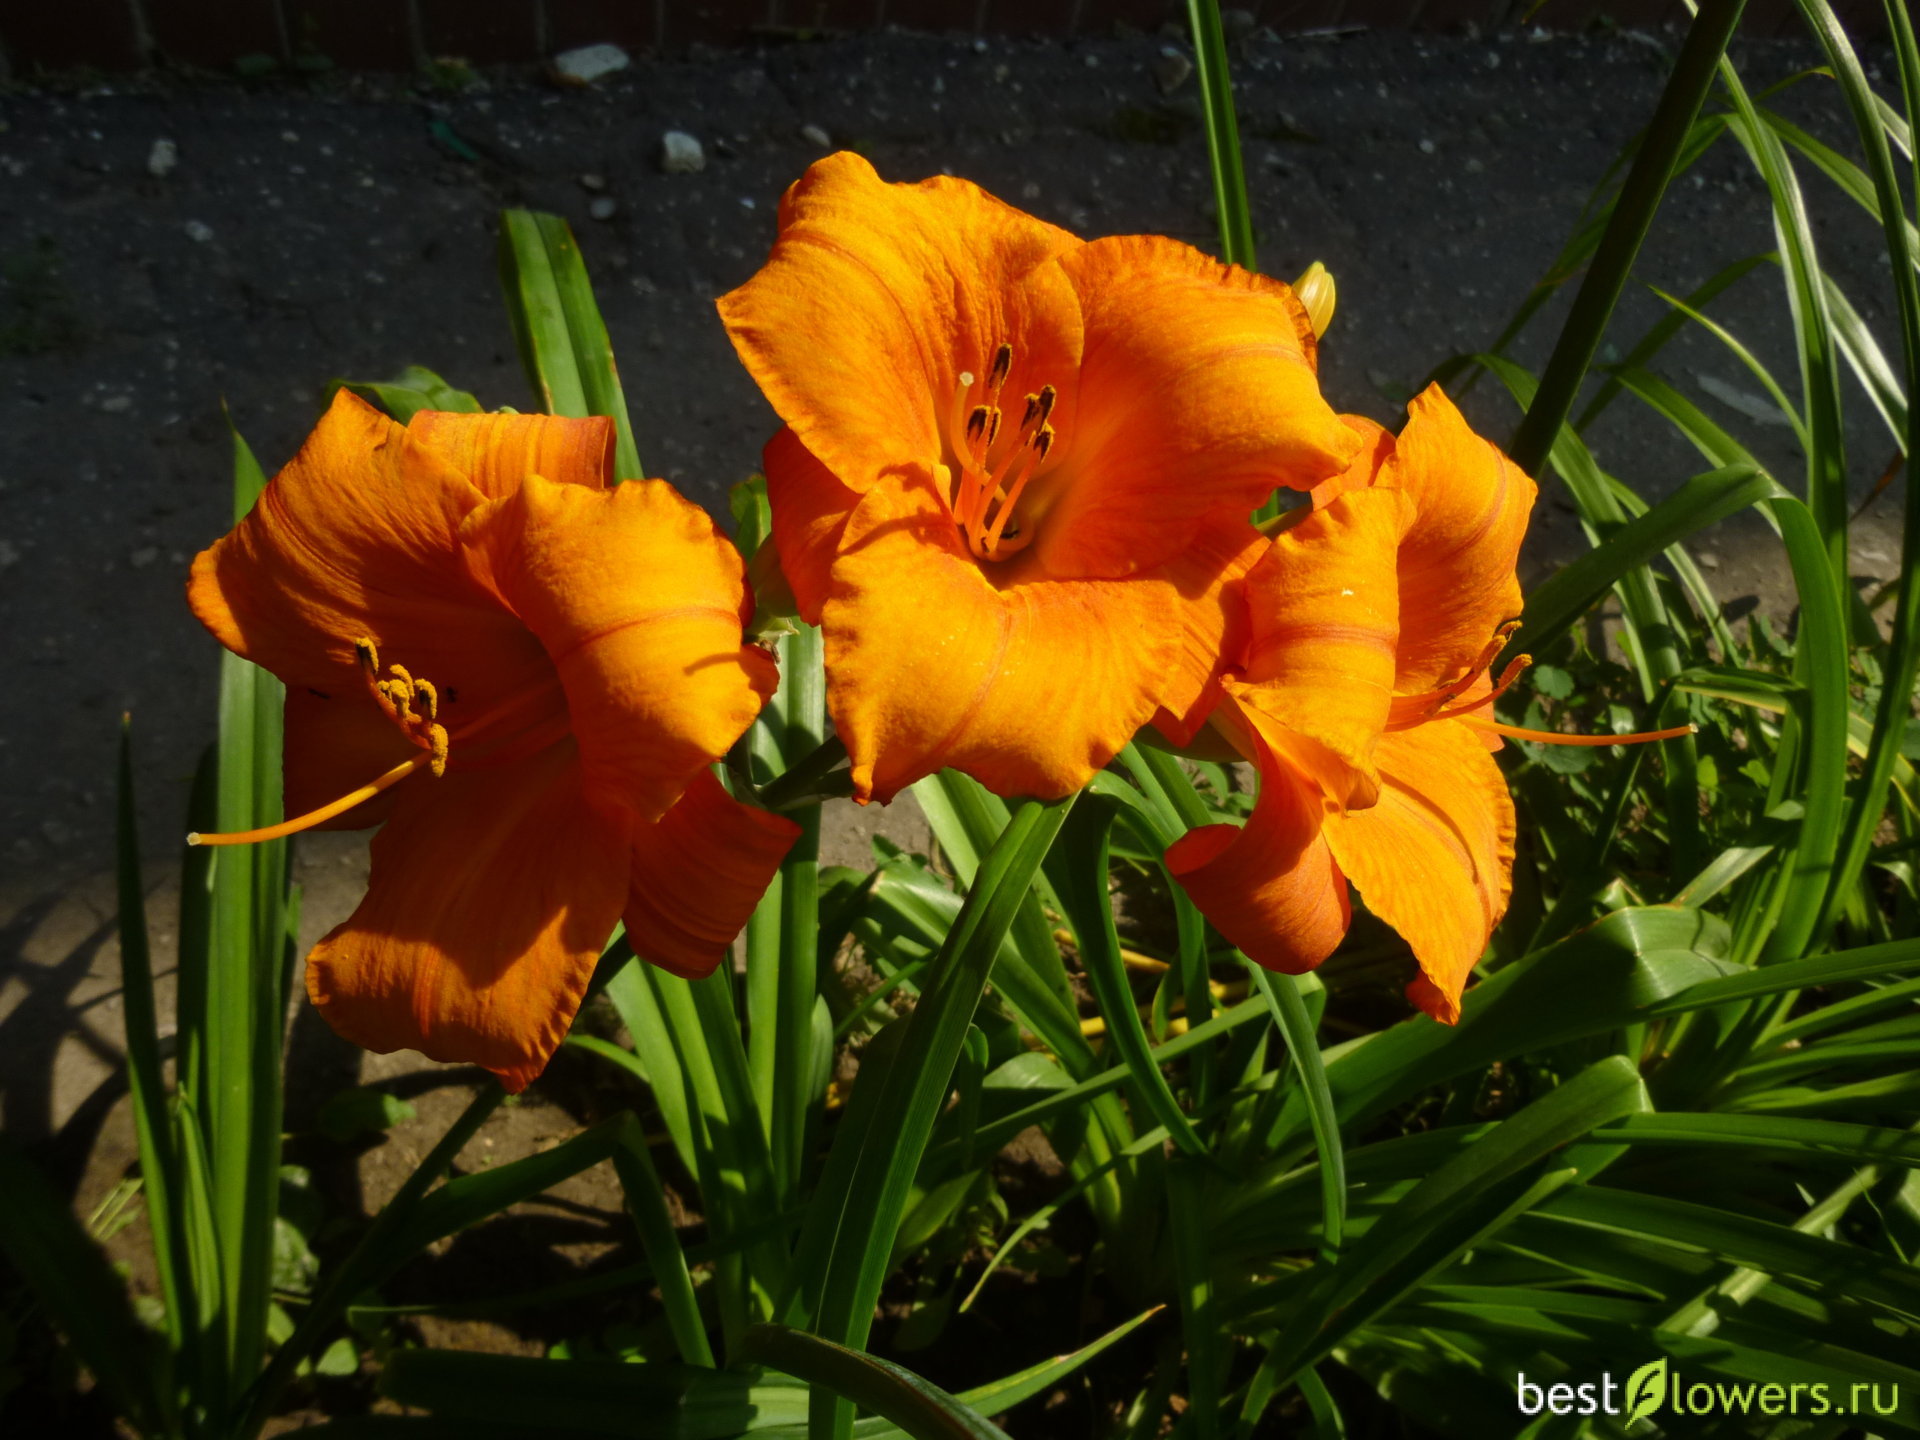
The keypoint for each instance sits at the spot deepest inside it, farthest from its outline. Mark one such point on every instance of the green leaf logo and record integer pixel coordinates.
(1646, 1390)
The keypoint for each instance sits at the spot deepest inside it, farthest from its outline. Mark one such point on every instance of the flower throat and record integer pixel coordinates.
(989, 475)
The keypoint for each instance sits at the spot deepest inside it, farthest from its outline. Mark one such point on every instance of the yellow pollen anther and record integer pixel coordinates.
(437, 747)
(369, 655)
(425, 691)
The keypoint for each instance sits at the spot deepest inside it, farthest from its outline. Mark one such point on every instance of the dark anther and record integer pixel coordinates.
(1002, 363)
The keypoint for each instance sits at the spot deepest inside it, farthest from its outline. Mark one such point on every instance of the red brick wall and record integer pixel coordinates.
(397, 34)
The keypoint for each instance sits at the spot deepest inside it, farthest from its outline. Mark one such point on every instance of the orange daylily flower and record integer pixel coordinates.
(539, 668)
(1364, 701)
(1016, 470)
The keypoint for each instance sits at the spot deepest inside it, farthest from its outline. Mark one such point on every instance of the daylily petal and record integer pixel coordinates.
(1273, 888)
(1028, 684)
(697, 875)
(876, 297)
(1324, 604)
(1195, 396)
(492, 892)
(639, 602)
(1434, 858)
(497, 452)
(810, 510)
(1457, 581)
(1376, 448)
(355, 537)
(1213, 621)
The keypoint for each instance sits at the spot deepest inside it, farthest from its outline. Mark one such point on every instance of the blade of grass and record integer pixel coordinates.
(920, 1408)
(1208, 1348)
(1296, 1027)
(1178, 808)
(153, 1124)
(646, 1201)
(1640, 196)
(71, 1278)
(1558, 602)
(1901, 665)
(378, 1252)
(1812, 323)
(1651, 632)
(865, 1196)
(1603, 1092)
(1080, 862)
(1666, 328)
(245, 1009)
(1821, 666)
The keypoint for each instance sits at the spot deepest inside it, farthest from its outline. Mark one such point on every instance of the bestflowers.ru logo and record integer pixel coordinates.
(1656, 1389)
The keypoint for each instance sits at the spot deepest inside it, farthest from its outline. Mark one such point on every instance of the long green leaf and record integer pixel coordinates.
(655, 1401)
(232, 1074)
(1207, 1345)
(1812, 328)
(1902, 662)
(646, 1200)
(383, 1249)
(1603, 1092)
(557, 326)
(1080, 880)
(153, 1121)
(1296, 1026)
(1821, 665)
(919, 1407)
(863, 1196)
(71, 1278)
(1640, 195)
(1825, 1139)
(1223, 133)
(1558, 602)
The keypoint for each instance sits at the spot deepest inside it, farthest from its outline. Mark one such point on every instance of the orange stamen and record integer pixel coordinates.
(1036, 453)
(325, 812)
(1023, 472)
(1501, 686)
(1408, 711)
(1554, 737)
